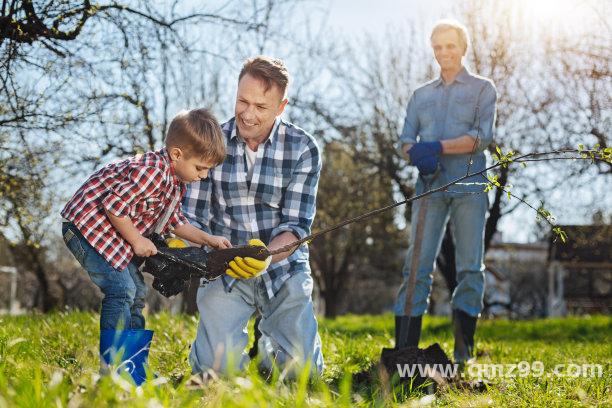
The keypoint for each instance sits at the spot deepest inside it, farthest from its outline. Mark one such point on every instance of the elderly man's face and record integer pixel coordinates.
(448, 49)
(256, 109)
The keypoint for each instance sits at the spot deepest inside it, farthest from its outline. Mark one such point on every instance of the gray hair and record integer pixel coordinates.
(451, 24)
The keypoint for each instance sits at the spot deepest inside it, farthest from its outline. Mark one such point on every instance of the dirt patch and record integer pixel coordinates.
(415, 366)
(412, 368)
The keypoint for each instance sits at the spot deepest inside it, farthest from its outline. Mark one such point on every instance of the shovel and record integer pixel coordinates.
(392, 358)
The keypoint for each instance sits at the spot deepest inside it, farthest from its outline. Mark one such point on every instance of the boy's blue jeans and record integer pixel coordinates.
(124, 291)
(467, 214)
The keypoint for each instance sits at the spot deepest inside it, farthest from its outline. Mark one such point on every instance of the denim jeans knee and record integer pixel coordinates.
(137, 320)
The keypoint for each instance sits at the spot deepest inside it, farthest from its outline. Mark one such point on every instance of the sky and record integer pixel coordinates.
(358, 16)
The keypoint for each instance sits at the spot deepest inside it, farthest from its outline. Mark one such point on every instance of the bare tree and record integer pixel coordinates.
(82, 83)
(24, 204)
(367, 251)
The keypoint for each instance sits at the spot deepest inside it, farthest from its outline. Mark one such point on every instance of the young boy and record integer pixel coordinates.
(106, 222)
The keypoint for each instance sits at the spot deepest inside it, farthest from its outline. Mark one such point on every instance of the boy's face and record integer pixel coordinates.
(256, 109)
(189, 169)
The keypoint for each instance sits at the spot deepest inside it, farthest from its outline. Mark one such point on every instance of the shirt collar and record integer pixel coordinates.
(277, 122)
(462, 76)
(166, 157)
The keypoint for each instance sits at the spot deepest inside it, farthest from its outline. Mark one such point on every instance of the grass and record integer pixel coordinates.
(52, 360)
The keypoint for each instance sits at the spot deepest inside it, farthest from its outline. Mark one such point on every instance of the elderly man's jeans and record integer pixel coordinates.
(124, 291)
(288, 326)
(467, 214)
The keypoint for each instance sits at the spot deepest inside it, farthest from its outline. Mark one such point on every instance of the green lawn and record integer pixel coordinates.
(51, 360)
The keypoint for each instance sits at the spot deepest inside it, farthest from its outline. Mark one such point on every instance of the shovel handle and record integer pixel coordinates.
(418, 240)
(416, 254)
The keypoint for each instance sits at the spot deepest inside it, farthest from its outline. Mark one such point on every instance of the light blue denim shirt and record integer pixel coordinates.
(439, 112)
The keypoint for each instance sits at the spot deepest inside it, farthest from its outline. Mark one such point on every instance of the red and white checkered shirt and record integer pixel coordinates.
(141, 188)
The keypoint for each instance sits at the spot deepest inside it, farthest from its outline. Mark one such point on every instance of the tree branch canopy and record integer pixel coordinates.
(27, 21)
(23, 23)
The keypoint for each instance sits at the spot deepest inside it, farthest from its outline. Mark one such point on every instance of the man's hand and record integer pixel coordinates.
(144, 247)
(426, 156)
(245, 268)
(406, 148)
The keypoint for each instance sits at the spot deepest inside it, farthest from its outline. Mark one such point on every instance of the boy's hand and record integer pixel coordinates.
(144, 247)
(218, 242)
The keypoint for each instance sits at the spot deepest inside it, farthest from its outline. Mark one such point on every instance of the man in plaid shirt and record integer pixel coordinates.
(266, 189)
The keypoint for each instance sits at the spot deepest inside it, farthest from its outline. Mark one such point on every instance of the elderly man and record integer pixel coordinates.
(449, 123)
(265, 189)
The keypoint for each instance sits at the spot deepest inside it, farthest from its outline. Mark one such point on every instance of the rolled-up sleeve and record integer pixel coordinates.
(484, 122)
(196, 204)
(176, 219)
(140, 182)
(411, 123)
(299, 203)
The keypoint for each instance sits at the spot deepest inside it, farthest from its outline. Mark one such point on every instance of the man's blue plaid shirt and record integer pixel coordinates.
(281, 195)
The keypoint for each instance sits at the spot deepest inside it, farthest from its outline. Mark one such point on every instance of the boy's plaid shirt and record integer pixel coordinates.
(140, 188)
(280, 197)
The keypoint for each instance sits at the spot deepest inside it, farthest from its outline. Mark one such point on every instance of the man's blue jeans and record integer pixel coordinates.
(467, 213)
(288, 326)
(124, 291)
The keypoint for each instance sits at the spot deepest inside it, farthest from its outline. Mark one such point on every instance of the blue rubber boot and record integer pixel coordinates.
(126, 351)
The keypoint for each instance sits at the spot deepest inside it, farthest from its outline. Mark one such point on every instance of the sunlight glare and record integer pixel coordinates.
(555, 13)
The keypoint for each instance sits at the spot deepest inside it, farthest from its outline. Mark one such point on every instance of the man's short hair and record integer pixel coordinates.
(451, 24)
(268, 70)
(197, 133)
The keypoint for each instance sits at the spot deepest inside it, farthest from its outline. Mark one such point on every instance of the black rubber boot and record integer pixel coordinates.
(407, 331)
(464, 327)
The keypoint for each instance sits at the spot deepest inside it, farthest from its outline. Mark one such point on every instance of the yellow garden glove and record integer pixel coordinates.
(176, 243)
(247, 267)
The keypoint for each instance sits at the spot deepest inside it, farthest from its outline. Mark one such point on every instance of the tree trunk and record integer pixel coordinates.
(29, 256)
(46, 301)
(332, 303)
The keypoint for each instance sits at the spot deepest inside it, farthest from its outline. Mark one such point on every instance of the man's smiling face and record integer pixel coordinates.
(448, 49)
(257, 108)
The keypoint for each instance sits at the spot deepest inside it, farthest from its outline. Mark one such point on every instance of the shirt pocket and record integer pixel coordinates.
(147, 208)
(274, 188)
(464, 109)
(426, 111)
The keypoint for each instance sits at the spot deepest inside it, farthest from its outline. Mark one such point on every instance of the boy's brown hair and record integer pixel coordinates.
(268, 70)
(197, 133)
